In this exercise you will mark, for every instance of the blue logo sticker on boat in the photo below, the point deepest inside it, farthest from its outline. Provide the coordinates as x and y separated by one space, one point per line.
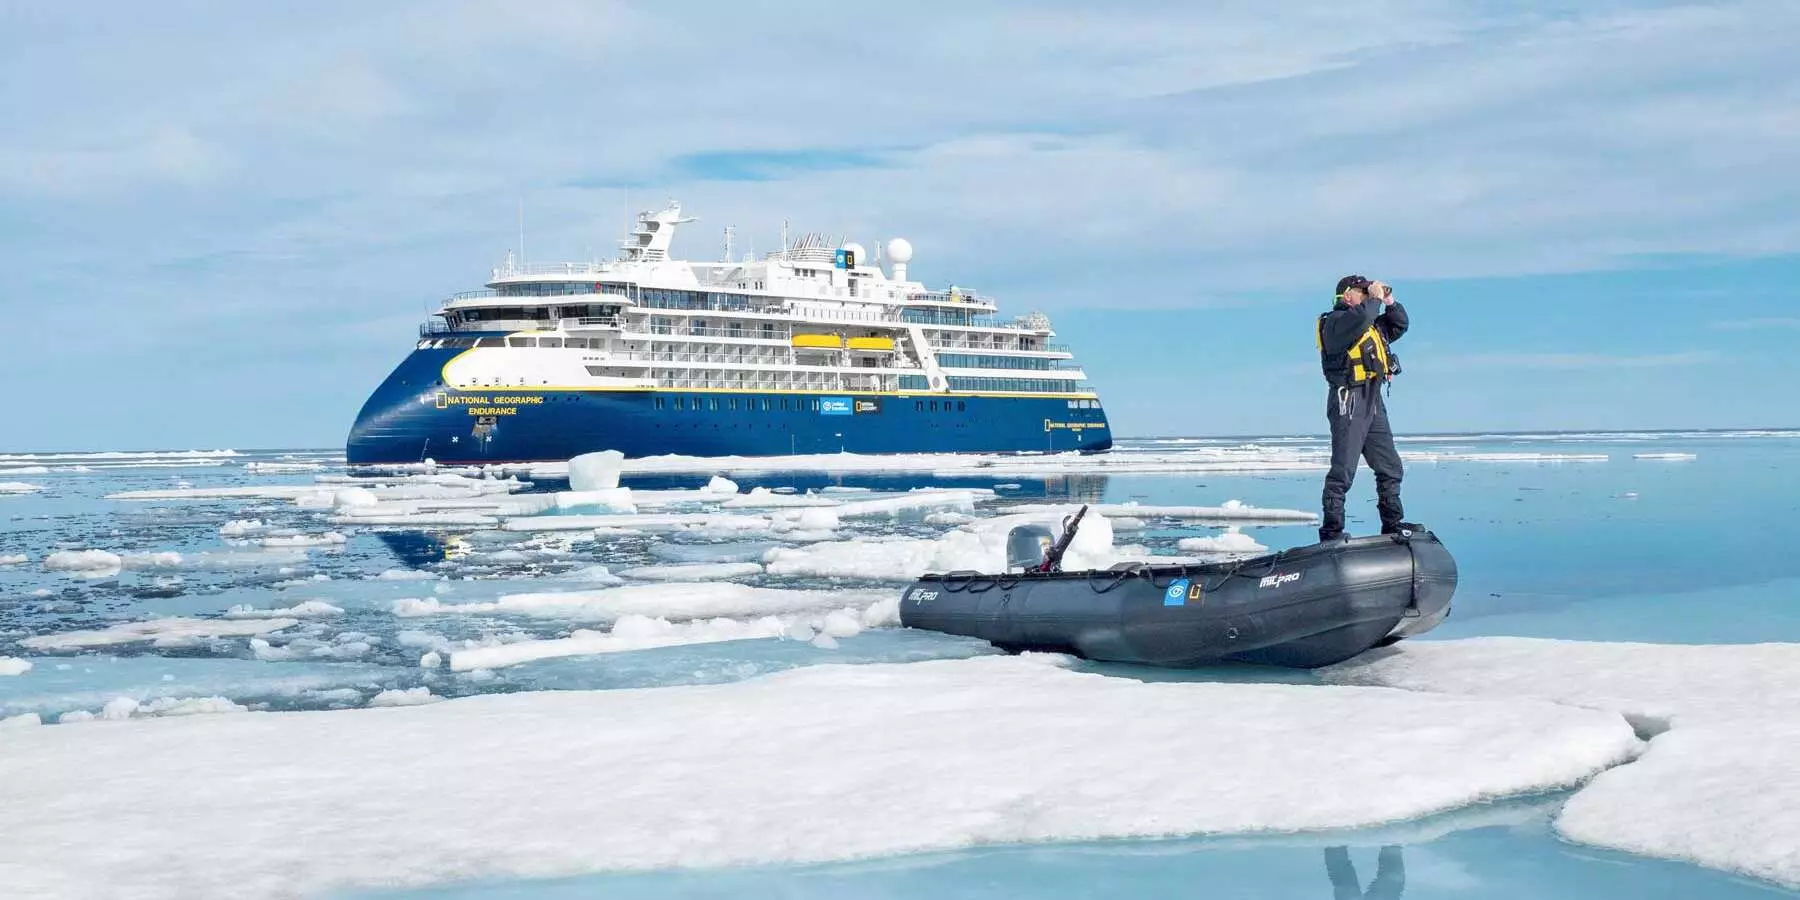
835 406
1176 595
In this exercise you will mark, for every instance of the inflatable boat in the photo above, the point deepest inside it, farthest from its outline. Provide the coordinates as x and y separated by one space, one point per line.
1305 607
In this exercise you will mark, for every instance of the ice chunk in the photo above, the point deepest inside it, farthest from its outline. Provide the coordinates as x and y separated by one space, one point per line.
763 498
820 763
1670 457
14 666
1231 541
595 471
695 572
418 696
14 559
631 632
160 631
84 563
302 610
237 528
430 660
329 538
675 601
978 547
21 721
1229 511
719 485
407 575
613 500
18 487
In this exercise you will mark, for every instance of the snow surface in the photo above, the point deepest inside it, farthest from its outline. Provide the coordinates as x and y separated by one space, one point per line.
1720 788
979 546
162 632
815 764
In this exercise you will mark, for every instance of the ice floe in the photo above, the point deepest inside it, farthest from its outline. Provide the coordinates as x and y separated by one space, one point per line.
674 601
173 631
13 666
18 487
87 682
1670 457
418 696
1229 511
693 572
978 546
1231 541
1720 787
84 563
821 763
303 610
14 559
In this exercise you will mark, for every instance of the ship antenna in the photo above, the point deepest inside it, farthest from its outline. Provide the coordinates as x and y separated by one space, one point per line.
728 235
521 229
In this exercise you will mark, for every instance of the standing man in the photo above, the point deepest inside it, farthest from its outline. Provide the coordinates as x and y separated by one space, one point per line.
1354 338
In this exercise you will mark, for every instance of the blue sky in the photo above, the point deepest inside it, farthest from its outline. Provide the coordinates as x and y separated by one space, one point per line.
221 223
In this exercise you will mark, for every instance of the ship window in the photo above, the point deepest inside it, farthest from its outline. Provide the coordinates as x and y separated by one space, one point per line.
521 342
732 403
934 406
918 406
784 405
681 403
765 404
959 406
552 343
491 342
659 403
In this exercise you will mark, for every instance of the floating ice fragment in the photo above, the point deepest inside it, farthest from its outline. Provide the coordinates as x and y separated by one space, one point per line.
157 630
14 666
418 696
595 471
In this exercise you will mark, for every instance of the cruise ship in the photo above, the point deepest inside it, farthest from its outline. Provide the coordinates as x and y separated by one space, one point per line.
815 348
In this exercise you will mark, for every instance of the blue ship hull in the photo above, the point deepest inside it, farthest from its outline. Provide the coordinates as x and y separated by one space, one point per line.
413 416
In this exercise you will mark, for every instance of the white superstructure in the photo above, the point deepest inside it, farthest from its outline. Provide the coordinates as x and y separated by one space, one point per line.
817 315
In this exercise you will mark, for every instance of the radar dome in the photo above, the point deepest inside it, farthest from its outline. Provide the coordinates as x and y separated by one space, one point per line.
899 250
862 258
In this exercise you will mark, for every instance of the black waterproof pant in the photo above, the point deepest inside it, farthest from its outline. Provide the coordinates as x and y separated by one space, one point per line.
1359 428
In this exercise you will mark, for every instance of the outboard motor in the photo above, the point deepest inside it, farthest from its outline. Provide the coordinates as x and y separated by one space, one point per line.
1026 547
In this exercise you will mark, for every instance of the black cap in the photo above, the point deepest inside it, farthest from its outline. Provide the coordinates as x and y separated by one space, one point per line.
1351 281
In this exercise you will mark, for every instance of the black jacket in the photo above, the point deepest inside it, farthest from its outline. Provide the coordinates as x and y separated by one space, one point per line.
1345 324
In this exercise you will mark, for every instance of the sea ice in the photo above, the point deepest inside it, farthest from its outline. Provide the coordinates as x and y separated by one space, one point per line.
977 547
1231 541
1229 511
695 572
14 559
1720 788
418 696
303 610
84 563
674 601
18 487
820 763
170 631
595 471
12 666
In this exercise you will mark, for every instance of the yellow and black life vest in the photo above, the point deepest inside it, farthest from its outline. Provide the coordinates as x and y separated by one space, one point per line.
1367 360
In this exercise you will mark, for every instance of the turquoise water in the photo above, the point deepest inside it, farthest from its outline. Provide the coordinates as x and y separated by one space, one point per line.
1619 549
